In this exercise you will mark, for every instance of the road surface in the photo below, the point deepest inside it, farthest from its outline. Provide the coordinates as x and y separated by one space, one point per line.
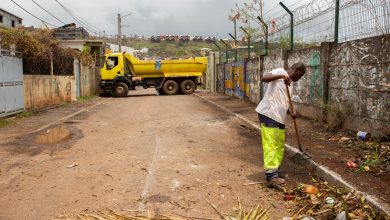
166 154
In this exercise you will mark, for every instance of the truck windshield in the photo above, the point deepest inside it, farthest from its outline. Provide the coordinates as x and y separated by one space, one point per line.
111 62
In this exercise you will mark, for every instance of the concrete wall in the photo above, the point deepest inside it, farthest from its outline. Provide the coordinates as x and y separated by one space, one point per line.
88 81
359 81
308 92
252 81
42 91
347 83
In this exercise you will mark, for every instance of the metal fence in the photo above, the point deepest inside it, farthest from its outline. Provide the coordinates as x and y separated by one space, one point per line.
320 21
11 83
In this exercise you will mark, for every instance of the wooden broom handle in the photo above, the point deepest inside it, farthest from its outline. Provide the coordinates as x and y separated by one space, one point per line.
295 123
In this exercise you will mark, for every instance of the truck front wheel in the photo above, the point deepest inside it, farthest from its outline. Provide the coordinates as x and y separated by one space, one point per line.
187 86
170 87
120 89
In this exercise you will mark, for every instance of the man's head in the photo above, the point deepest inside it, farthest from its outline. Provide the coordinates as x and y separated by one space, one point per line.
296 71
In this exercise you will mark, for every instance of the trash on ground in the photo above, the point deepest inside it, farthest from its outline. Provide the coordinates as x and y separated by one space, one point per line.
352 164
329 200
364 136
326 202
73 165
309 189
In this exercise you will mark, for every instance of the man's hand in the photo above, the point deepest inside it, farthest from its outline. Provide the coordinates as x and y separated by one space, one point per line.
287 80
293 115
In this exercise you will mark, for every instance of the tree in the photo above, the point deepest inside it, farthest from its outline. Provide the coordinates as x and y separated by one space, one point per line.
247 14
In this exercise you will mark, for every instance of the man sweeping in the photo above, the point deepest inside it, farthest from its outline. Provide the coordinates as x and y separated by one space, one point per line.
272 111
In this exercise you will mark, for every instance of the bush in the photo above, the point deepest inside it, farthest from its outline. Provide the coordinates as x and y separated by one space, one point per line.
38 47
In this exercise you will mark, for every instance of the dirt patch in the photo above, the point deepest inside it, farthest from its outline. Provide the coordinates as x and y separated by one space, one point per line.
52 139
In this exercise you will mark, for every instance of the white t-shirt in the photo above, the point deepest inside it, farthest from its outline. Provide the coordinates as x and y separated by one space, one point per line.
275 104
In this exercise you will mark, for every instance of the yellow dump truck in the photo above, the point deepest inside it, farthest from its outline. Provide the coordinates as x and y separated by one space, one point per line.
123 72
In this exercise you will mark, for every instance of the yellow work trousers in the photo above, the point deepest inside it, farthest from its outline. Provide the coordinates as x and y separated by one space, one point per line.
273 140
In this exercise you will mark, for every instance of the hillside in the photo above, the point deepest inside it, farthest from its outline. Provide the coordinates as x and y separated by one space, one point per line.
167 49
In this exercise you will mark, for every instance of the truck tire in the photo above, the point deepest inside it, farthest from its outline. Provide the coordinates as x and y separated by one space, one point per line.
120 89
170 87
187 86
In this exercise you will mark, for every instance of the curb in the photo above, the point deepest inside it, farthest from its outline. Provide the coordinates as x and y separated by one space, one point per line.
67 117
318 169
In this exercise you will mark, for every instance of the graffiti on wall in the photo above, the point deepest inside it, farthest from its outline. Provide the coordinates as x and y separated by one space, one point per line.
316 81
220 78
238 72
229 71
252 81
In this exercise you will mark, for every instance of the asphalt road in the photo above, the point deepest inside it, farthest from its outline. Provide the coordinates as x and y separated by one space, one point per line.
165 154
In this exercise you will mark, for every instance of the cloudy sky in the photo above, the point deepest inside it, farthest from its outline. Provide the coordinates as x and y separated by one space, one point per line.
149 17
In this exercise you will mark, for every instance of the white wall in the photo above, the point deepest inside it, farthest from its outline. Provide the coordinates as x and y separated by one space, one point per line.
8 18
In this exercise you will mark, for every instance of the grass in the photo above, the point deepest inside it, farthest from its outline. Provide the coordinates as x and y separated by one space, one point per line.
24 114
4 123
84 99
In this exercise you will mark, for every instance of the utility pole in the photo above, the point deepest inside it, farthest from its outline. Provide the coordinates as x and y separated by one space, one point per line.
119 33
235 39
120 30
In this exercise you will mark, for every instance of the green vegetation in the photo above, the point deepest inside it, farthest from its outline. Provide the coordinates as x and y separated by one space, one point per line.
23 114
83 99
4 123
167 49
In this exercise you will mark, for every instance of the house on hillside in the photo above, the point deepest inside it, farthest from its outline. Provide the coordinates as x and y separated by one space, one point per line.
9 20
70 32
77 38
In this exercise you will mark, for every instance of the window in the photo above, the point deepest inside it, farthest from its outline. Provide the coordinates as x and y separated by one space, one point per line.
13 23
1 18
111 62
20 21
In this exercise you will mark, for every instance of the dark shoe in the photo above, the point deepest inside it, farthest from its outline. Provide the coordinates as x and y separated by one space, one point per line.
282 174
276 181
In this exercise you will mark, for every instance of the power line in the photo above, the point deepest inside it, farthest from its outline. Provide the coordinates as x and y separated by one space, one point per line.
77 19
43 21
48 12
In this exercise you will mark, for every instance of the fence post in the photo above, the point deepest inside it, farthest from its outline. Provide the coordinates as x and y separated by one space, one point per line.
235 44
249 41
219 51
291 26
51 64
336 24
285 58
226 53
324 57
261 69
266 35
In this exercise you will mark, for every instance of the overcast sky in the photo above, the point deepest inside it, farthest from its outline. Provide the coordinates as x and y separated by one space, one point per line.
150 17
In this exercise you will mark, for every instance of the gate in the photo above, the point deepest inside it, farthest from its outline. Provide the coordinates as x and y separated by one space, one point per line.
11 83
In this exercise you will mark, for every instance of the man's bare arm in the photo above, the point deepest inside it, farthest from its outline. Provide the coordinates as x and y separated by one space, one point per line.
270 77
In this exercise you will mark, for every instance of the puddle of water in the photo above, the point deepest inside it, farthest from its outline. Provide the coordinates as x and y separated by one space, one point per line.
53 136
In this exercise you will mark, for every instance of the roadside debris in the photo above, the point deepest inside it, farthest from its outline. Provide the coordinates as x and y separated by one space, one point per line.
320 200
73 165
238 213
352 164
370 154
364 136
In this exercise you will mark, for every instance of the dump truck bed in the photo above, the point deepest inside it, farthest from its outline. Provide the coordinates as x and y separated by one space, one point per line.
167 68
